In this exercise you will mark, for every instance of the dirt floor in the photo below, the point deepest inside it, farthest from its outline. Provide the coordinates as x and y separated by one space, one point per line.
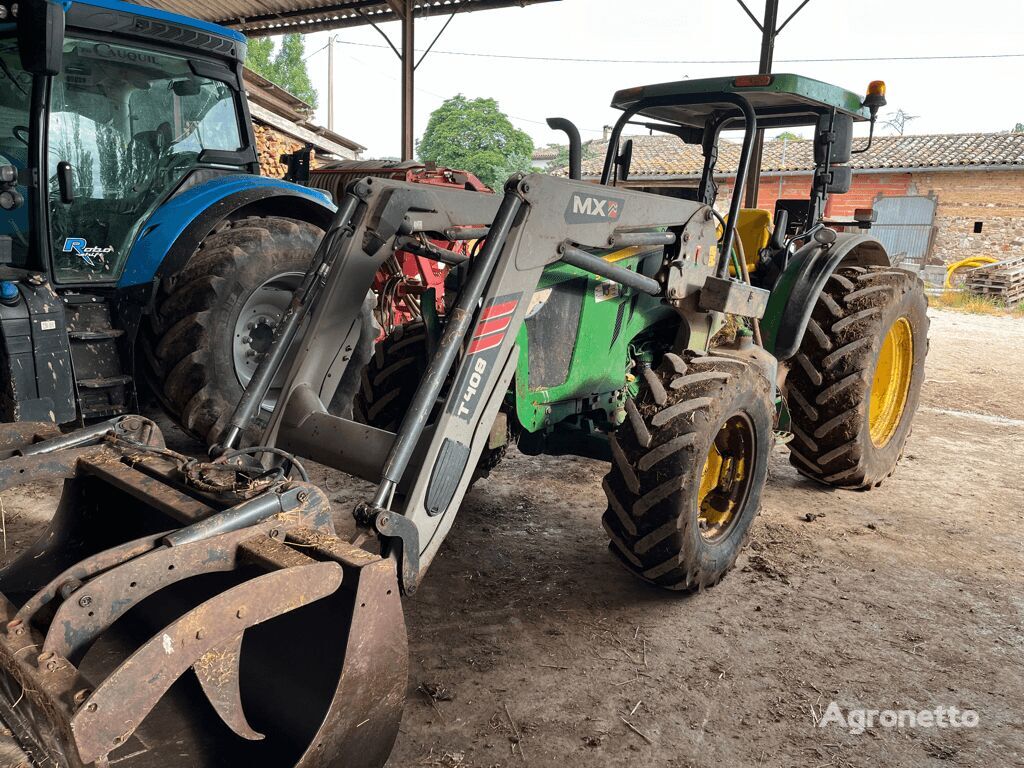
542 651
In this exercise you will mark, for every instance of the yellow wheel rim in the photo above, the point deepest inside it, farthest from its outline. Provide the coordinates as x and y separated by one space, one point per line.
725 478
891 385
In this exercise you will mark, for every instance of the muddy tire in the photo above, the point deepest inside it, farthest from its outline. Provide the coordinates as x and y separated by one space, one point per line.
194 357
855 383
688 468
389 382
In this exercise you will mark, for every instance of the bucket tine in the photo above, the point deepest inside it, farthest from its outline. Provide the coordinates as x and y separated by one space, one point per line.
121 702
87 568
296 637
218 674
101 601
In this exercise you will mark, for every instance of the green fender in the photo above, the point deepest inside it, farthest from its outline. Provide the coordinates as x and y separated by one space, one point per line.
793 298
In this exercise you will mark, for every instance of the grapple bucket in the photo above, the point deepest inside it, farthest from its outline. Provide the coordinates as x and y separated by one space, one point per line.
157 623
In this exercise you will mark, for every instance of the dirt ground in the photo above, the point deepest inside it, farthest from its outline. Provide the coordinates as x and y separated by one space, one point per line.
910 596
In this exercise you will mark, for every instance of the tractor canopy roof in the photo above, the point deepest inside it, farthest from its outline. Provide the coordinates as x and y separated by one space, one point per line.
779 100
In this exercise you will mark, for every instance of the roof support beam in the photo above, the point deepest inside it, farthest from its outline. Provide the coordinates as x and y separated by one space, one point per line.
770 28
408 74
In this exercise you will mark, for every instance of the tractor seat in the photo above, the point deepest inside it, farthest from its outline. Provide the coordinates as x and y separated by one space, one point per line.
754 231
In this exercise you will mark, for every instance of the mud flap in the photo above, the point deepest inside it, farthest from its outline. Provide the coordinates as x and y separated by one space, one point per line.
295 639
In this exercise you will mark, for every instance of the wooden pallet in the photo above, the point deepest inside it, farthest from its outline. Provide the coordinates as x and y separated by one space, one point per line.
1003 280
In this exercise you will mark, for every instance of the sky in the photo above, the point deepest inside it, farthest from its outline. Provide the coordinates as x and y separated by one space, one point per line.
946 95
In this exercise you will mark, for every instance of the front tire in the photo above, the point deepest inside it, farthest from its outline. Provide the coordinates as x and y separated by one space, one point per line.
855 384
689 465
206 350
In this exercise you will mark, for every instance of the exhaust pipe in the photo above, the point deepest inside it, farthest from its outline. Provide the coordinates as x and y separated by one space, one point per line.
575 144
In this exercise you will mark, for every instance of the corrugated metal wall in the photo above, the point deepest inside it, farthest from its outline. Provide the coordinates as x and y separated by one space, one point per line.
906 227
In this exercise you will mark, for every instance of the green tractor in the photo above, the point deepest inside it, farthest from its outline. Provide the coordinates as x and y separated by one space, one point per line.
828 355
587 319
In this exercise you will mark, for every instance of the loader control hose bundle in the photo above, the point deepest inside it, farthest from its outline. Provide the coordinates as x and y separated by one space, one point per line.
227 474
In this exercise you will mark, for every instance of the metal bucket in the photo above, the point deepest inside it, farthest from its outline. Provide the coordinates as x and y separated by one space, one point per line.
295 639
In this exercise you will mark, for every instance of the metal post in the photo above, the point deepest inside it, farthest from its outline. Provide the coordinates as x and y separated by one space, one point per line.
330 83
408 70
768 32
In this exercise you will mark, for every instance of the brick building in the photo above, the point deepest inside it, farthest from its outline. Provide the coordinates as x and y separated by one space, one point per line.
938 198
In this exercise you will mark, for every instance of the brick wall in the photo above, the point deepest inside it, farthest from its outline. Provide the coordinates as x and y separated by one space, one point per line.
994 198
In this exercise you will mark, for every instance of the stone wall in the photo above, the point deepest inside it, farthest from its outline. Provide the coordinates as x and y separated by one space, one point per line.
995 199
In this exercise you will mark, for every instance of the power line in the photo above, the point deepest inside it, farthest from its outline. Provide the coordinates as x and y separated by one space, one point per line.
418 89
952 57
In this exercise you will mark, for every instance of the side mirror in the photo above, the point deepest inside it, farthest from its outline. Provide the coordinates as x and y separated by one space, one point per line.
41 36
624 161
840 181
297 165
66 182
840 130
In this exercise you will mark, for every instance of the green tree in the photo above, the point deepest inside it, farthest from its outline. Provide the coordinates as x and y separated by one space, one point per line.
286 68
562 158
789 136
259 55
1018 128
474 135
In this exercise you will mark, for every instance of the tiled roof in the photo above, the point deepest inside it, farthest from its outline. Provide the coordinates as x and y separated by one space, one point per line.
667 157
545 153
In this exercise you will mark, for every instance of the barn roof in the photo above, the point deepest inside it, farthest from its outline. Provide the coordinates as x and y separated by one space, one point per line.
271 17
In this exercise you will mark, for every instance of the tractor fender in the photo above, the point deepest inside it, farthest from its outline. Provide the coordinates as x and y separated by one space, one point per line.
173 232
796 292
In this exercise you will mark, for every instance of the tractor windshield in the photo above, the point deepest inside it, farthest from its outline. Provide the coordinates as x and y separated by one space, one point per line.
15 93
132 124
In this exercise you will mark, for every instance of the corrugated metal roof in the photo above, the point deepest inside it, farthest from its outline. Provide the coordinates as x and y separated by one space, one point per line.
657 157
272 17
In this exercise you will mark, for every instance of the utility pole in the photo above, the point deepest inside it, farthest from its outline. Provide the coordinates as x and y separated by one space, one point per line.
330 83
770 29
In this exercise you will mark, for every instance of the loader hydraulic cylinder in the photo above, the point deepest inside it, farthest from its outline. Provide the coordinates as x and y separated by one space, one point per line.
459 322
284 333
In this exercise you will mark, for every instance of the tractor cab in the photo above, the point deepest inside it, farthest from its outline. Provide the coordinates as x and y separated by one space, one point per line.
126 147
106 114
699 111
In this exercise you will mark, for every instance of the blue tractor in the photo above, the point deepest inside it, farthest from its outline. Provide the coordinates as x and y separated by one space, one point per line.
138 244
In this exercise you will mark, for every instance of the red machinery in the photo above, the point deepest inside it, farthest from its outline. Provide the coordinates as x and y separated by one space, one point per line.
401 283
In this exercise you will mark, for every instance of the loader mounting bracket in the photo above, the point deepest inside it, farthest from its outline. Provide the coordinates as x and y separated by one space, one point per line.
400 531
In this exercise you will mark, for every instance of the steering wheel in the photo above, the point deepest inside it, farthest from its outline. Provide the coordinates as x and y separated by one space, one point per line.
20 132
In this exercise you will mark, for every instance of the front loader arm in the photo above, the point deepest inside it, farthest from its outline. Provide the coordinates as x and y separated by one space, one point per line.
424 470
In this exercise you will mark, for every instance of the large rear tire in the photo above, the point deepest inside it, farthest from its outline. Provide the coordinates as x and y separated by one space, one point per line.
215 319
688 468
855 383
389 382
